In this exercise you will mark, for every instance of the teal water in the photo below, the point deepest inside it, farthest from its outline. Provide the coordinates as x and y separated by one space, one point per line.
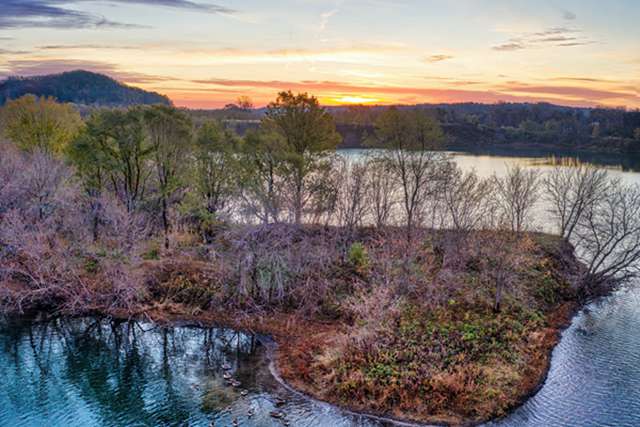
100 372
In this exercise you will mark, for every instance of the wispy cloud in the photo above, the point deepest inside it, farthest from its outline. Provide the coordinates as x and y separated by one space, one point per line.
551 37
50 14
438 58
86 47
60 14
509 46
325 17
13 52
600 95
181 4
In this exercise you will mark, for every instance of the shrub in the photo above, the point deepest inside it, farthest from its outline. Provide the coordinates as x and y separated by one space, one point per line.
153 254
358 257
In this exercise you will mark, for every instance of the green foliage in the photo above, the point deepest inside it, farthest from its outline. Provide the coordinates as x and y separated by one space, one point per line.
153 254
407 130
113 149
262 166
309 135
169 133
91 265
40 124
358 256
216 166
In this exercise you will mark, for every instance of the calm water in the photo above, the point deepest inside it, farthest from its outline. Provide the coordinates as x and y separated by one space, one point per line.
90 372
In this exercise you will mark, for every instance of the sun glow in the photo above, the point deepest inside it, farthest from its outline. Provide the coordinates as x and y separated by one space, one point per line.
347 99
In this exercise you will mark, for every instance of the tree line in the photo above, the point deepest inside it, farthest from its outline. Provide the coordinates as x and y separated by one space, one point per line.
147 170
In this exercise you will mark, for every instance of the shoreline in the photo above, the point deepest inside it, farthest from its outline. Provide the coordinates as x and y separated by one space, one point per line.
561 319
565 315
459 364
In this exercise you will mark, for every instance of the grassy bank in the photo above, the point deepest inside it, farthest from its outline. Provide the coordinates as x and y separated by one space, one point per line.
362 320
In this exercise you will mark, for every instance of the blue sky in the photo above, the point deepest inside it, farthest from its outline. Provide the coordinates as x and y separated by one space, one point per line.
206 53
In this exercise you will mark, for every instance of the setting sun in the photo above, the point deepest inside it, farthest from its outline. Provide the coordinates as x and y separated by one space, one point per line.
348 99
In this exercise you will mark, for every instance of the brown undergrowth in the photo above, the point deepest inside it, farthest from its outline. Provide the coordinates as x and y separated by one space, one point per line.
459 331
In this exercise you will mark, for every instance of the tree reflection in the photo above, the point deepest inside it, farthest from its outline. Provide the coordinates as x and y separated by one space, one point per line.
123 372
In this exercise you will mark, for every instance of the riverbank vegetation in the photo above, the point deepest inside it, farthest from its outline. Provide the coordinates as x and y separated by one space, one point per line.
425 291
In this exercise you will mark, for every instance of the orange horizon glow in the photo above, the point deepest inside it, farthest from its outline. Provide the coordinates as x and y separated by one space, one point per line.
202 56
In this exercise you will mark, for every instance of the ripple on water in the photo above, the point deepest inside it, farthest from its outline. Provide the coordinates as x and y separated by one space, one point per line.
594 378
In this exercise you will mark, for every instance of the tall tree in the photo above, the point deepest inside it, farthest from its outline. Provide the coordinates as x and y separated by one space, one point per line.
517 193
40 124
572 188
216 178
310 136
411 139
112 152
169 132
262 166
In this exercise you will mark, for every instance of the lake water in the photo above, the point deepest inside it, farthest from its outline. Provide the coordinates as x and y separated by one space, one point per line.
92 372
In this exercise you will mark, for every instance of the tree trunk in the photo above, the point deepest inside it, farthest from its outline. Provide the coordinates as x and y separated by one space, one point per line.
498 301
165 223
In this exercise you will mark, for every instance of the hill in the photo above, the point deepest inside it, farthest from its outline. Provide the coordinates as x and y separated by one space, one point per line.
79 87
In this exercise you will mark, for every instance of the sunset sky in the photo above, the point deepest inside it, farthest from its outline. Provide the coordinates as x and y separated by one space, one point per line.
206 53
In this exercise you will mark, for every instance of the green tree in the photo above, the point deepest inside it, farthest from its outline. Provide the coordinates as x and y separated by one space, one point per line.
216 177
40 124
169 133
263 154
112 152
310 136
411 139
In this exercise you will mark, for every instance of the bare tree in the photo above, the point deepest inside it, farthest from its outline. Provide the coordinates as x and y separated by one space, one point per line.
410 139
608 235
11 163
381 191
517 193
351 207
467 199
572 188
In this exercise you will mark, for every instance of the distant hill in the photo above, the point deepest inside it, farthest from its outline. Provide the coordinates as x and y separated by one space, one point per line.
79 87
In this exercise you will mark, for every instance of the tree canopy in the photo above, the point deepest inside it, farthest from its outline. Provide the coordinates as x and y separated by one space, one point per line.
40 124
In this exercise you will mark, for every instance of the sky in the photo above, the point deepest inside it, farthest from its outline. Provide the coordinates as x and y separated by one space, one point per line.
207 53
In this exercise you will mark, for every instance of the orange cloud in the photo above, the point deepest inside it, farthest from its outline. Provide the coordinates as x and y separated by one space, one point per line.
333 91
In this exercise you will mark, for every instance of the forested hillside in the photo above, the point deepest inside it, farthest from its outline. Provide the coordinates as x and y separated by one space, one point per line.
79 87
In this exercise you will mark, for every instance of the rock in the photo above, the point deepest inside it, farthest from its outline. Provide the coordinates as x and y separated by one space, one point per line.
276 414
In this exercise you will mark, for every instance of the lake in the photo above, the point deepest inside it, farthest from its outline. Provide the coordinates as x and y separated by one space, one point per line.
87 371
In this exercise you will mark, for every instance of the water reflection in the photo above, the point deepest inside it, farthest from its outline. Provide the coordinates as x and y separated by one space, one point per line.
621 162
86 372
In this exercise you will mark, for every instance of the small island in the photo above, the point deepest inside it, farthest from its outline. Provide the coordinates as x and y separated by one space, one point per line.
394 284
